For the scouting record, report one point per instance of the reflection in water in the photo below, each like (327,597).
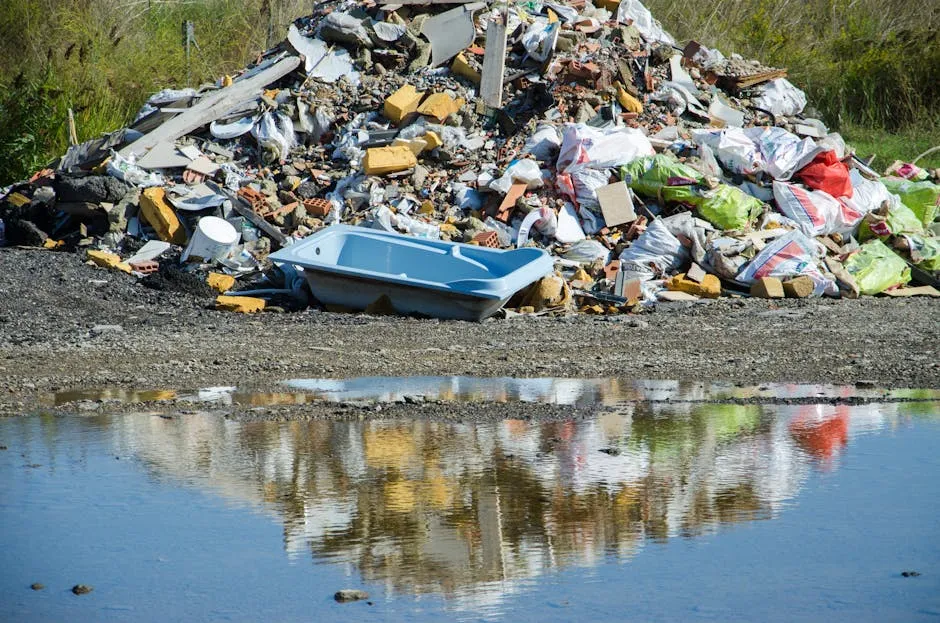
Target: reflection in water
(561,391)
(474,511)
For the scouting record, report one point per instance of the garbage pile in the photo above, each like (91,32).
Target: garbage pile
(648,170)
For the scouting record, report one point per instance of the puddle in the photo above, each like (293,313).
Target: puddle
(560,391)
(758,512)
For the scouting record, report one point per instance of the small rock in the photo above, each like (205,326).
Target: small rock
(350,594)
(37,586)
(910,574)
(82,589)
(98,329)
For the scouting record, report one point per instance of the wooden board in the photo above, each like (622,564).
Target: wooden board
(494,63)
(211,107)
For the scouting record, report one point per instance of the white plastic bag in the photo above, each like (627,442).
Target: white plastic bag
(654,253)
(540,38)
(633,10)
(568,229)
(784,153)
(601,148)
(523,170)
(275,133)
(733,148)
(580,183)
(126,169)
(544,143)
(868,195)
(816,212)
(780,97)
(587,251)
(790,255)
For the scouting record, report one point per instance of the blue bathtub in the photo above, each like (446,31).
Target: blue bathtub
(353,266)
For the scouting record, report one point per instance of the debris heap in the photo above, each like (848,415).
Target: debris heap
(649,170)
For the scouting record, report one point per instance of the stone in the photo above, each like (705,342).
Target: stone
(382,160)
(100,329)
(402,103)
(767,288)
(240,304)
(157,211)
(799,287)
(82,589)
(710,287)
(350,594)
(37,586)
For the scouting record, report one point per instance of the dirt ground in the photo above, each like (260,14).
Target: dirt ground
(65,325)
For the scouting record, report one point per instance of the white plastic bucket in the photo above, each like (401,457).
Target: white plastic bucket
(213,239)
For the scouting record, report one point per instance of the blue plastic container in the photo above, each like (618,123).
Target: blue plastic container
(352,267)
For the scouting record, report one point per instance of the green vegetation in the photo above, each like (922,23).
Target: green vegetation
(870,67)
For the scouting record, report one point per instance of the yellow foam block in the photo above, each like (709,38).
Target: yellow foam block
(416,145)
(108,260)
(709,288)
(462,68)
(241,304)
(402,103)
(220,282)
(433,140)
(382,160)
(157,211)
(440,106)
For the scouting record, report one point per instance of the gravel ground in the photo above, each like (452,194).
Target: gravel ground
(65,325)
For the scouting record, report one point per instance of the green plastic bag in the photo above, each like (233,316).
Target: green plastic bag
(899,220)
(923,198)
(876,268)
(648,175)
(925,251)
(725,207)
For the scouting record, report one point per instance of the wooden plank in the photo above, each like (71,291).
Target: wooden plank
(494,62)
(212,107)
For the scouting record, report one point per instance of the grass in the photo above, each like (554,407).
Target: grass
(888,146)
(871,67)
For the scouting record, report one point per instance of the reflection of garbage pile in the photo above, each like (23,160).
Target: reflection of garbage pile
(434,507)
(648,171)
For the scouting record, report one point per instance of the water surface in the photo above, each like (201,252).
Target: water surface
(656,511)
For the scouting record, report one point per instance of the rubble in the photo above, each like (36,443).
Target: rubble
(648,171)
